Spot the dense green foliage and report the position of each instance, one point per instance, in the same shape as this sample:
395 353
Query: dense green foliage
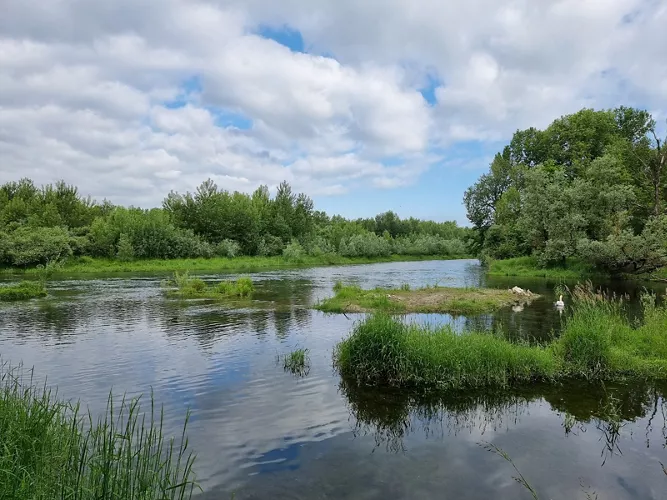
23 290
186 287
54 223
50 450
591 186
598 342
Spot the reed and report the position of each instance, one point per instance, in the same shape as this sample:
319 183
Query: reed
51 449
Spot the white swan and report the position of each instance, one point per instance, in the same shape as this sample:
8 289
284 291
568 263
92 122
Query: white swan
560 303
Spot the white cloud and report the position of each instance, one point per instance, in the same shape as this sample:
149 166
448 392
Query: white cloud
83 86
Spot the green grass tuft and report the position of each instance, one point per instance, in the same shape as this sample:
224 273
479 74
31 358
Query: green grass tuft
597 343
297 362
192 288
23 290
51 450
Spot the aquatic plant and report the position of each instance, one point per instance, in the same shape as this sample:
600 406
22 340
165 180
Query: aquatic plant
188 287
385 351
297 362
23 290
597 343
50 449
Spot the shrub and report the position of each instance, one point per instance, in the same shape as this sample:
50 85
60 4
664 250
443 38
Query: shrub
270 246
294 252
125 250
228 248
31 246
365 245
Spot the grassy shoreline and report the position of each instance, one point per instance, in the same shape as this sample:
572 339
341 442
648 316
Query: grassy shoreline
597 343
527 267
353 299
50 449
219 264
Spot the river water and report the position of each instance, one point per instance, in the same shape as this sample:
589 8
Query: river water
262 433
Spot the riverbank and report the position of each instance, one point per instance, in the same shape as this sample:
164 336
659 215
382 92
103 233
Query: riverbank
527 267
51 450
353 299
597 343
87 265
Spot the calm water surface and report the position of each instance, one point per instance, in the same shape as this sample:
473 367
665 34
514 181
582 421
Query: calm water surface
263 433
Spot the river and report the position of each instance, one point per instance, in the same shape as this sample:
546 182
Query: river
259 432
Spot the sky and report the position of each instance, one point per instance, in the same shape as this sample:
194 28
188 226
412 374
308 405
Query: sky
365 106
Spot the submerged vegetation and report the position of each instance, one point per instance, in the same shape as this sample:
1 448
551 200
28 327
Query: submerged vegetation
353 299
187 287
51 450
587 192
23 290
39 225
597 343
297 362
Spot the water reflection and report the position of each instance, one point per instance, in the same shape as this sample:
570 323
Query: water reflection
390 416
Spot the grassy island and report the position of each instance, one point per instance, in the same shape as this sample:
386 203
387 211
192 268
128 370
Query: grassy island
598 342
24 290
186 287
353 299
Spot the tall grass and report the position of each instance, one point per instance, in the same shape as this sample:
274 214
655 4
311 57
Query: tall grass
50 449
385 351
597 343
24 290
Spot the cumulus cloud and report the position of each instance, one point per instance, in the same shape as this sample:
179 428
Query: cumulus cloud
131 99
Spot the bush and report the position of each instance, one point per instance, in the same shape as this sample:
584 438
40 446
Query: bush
270 246
294 252
28 246
365 245
125 250
228 248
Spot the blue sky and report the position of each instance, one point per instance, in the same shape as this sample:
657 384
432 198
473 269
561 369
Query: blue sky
364 112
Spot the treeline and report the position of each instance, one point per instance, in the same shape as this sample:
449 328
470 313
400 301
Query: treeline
53 222
591 186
